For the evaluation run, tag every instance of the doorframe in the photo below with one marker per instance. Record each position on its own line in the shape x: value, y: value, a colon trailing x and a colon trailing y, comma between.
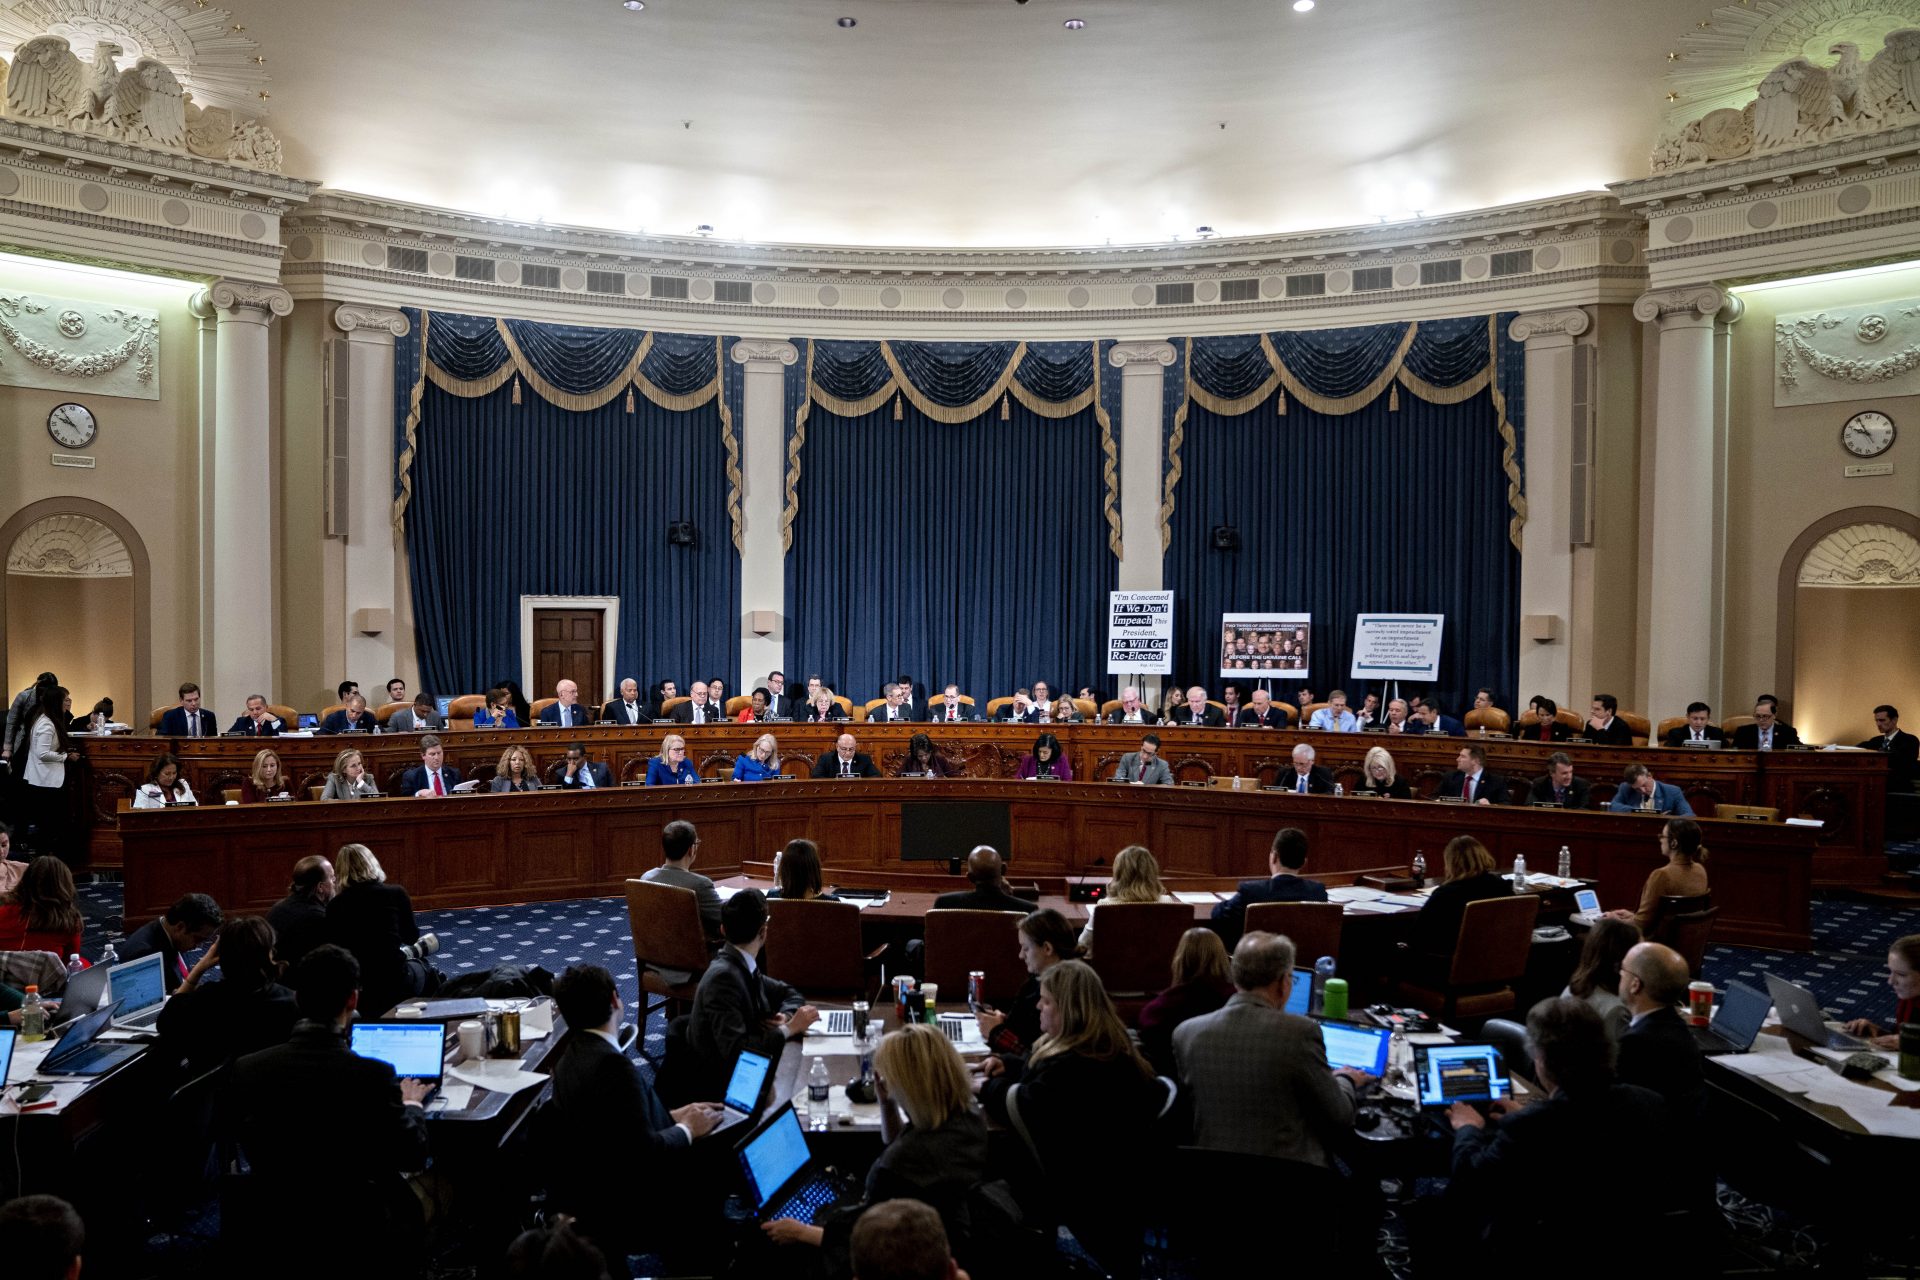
x: 609, y: 608
x: 34, y: 512
x: 1786, y: 614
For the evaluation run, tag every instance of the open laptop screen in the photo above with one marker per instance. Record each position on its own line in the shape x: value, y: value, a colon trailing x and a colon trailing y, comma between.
x: 1742, y: 1013
x: 1448, y: 1073
x: 774, y: 1156
x: 7, y: 1037
x: 138, y: 984
x: 415, y: 1051
x: 1302, y: 994
x: 749, y: 1073
x: 1362, y: 1048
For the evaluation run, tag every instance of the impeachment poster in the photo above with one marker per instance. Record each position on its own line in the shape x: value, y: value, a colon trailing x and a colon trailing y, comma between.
x: 1139, y: 633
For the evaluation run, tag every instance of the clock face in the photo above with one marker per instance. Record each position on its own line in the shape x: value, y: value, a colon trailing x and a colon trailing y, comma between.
x: 72, y: 426
x: 1867, y: 434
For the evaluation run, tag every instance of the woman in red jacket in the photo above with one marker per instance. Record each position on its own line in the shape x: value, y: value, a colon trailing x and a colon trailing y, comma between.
x: 1903, y: 975
x: 41, y: 914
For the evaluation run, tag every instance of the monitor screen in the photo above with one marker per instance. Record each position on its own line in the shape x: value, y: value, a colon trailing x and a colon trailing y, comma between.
x: 137, y: 984
x: 1300, y: 998
x: 943, y: 830
x: 7, y: 1037
x: 749, y: 1073
x: 415, y: 1050
x: 1448, y: 1073
x: 1362, y: 1048
x: 441, y: 703
x: 309, y: 720
x: 775, y: 1154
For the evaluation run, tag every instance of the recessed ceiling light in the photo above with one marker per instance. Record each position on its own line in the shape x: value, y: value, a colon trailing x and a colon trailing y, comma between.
x: 1301, y: 6
x: 633, y: 5
x: 1073, y: 24
x: 847, y: 22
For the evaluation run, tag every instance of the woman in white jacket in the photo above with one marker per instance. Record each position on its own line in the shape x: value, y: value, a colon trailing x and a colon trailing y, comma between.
x: 48, y: 753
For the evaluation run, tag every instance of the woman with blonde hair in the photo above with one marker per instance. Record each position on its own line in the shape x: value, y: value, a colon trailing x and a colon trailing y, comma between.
x: 1136, y: 878
x: 374, y: 920
x: 516, y: 771
x: 1470, y: 877
x: 761, y: 761
x: 348, y: 779
x: 267, y: 782
x: 671, y: 766
x: 1202, y: 981
x: 1378, y: 777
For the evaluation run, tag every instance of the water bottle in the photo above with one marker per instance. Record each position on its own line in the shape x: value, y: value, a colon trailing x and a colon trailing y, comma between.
x: 1322, y: 970
x: 1339, y: 790
x: 1519, y: 870
x: 1420, y: 865
x: 819, y: 1095
x: 75, y: 964
x: 109, y: 957
x: 1399, y: 1057
x: 33, y: 1017
x: 1566, y: 863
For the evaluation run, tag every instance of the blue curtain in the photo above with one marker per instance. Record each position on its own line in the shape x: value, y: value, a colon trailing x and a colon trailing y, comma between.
x: 530, y: 499
x: 975, y: 552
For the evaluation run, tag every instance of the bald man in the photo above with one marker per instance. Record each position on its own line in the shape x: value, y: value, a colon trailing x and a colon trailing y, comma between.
x: 1196, y: 711
x: 846, y: 760
x: 565, y: 711
x: 988, y: 872
x: 1657, y: 1050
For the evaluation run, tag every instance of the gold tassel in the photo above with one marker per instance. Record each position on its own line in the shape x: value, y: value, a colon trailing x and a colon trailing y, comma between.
x: 1006, y: 408
x: 1393, y: 399
x: 629, y: 398
x: 1280, y: 403
x: 898, y: 414
x: 516, y: 388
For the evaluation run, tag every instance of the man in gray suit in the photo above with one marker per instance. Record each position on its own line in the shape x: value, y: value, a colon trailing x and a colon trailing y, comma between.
x: 1258, y: 1075
x: 1145, y: 765
x: 679, y: 843
x: 421, y: 717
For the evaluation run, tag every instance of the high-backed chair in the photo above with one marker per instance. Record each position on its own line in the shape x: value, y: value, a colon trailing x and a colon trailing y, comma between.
x: 737, y: 703
x: 667, y: 933
x: 937, y: 705
x: 1086, y: 707
x: 1687, y: 932
x: 314, y: 793
x: 1666, y: 726
x: 538, y: 705
x: 1314, y: 927
x: 1133, y: 948
x: 153, y: 721
x: 845, y: 704
x: 1489, y: 960
x: 865, y: 710
x: 1731, y: 723
x: 960, y: 941
x: 996, y: 705
x: 330, y: 709
x: 1492, y: 719
x: 1639, y: 724
x: 1108, y: 707
x: 1307, y: 712
x: 463, y: 708
x: 666, y: 708
x: 385, y: 710
x: 281, y: 711
x: 815, y: 946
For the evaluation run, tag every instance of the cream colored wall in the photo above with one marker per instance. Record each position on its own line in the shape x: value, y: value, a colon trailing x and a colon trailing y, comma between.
x: 1854, y: 648
x: 43, y: 615
x: 147, y: 452
x: 1784, y: 472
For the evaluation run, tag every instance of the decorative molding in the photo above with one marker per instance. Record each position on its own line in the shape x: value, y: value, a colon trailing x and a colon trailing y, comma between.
x: 69, y: 546
x: 1689, y: 304
x: 762, y: 350
x: 63, y: 344
x: 1863, y: 555
x: 1879, y: 353
x: 1122, y: 354
x: 351, y: 316
x: 1568, y: 321
x: 248, y: 300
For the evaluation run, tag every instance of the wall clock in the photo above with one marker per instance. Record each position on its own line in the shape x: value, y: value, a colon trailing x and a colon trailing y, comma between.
x: 1867, y: 434
x: 72, y: 426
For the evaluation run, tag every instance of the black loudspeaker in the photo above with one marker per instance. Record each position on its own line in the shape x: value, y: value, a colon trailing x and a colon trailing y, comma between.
x: 1225, y: 538
x: 680, y: 533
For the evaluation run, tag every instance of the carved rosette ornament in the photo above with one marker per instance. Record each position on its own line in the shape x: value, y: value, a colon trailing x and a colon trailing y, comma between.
x: 352, y: 317
x: 755, y: 350
x: 1843, y: 353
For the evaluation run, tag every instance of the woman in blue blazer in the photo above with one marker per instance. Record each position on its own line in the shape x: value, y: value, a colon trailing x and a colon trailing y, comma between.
x: 761, y: 761
x: 671, y: 765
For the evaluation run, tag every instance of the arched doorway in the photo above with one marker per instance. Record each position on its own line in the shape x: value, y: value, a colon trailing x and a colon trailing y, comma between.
x: 1848, y: 637
x: 76, y: 600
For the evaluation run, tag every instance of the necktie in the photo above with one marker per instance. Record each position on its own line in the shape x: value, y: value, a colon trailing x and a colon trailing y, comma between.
x: 438, y: 788
x: 1560, y: 795
x: 1466, y: 788
x: 193, y: 724
x: 846, y: 768
x: 1766, y: 739
x: 1303, y: 784
x: 586, y: 776
x: 1696, y: 735
x: 952, y: 711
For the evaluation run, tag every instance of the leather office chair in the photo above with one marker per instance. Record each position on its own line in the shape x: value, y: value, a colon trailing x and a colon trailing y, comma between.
x: 937, y: 705
x: 996, y: 705
x: 845, y: 705
x: 1661, y: 730
x: 738, y: 703
x: 153, y: 721
x: 385, y: 710
x: 960, y: 941
x: 463, y: 708
x: 314, y: 793
x: 1732, y: 723
x: 667, y: 932
x: 1575, y: 722
x: 330, y: 709
x: 1085, y: 707
x: 283, y: 712
x: 1307, y: 712
x: 1133, y: 949
x: 1489, y: 960
x: 1492, y: 719
x: 815, y: 946
x: 538, y: 705
x: 1314, y: 927
x: 865, y: 709
x: 1639, y: 724
x: 666, y: 708
x: 1689, y: 933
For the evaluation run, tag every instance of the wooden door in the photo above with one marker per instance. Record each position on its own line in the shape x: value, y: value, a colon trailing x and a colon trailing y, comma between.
x: 566, y: 646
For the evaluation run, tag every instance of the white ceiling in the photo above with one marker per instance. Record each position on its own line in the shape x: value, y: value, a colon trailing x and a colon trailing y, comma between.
x: 966, y: 122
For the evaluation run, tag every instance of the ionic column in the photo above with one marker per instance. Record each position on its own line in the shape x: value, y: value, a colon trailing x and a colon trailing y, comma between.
x: 763, y: 578
x: 1546, y: 562
x: 1142, y: 367
x: 371, y: 556
x: 1689, y: 495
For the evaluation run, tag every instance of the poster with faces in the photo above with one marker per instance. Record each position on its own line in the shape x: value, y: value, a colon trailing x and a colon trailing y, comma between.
x: 1267, y: 645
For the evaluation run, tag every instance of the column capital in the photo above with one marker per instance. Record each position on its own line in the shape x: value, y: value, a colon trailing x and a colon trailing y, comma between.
x: 764, y: 351
x: 244, y: 300
x: 1124, y: 354
x: 1561, y: 322
x: 375, y: 322
x: 1693, y: 304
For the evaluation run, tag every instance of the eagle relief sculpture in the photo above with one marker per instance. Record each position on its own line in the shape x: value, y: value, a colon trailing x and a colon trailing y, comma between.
x: 1801, y: 104
x: 144, y: 105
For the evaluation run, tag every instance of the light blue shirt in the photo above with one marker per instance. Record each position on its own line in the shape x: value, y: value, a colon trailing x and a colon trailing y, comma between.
x: 1324, y: 719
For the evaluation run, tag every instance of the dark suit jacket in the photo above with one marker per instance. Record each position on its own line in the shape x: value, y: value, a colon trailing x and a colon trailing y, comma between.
x: 299, y: 925
x: 783, y: 706
x: 1747, y: 736
x: 1275, y: 718
x: 222, y: 1020
x: 265, y: 729
x: 374, y: 921
x: 1119, y: 716
x: 415, y: 779
x: 338, y: 723
x: 683, y: 714
x: 828, y: 765
x: 1903, y: 758
x: 1437, y: 930
x: 883, y: 714
x: 582, y: 714
x: 1556, y: 732
x: 1010, y: 714
x: 1618, y: 733
x: 366, y: 1133
x: 601, y: 776
x: 174, y: 723
x: 1210, y: 716
x: 963, y: 710
x: 1231, y: 915
x: 1448, y: 726
x: 1577, y: 792
x: 1398, y: 789
x: 1658, y: 1053
x: 1319, y: 781
x: 621, y: 1145
x: 1682, y: 734
x: 978, y: 899
x: 1492, y: 787
x: 615, y: 712
x: 730, y: 1011
x: 833, y: 713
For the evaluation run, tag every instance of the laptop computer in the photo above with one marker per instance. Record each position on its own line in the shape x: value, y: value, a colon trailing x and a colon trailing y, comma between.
x: 1742, y: 1012
x: 415, y: 1050
x: 85, y: 992
x: 749, y: 1081
x: 7, y: 1038
x: 1586, y: 907
x: 783, y: 1180
x: 1448, y: 1073
x: 1300, y: 998
x: 139, y: 987
x: 1801, y: 1014
x: 81, y: 1052
x: 833, y: 1022
x: 1362, y: 1048
x: 309, y: 720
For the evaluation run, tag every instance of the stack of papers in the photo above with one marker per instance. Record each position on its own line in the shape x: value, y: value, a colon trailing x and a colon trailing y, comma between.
x: 1197, y: 898
x: 1352, y: 893
x: 1373, y: 907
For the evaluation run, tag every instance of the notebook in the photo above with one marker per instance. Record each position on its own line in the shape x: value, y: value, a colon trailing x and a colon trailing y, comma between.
x: 415, y: 1050
x: 743, y: 1090
x: 85, y: 992
x: 1362, y: 1048
x: 782, y: 1178
x: 139, y: 987
x: 1448, y: 1073
x: 1742, y: 1012
x: 82, y: 1053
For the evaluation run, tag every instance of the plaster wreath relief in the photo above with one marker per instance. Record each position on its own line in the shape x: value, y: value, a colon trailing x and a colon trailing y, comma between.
x: 77, y: 346
x: 1827, y: 345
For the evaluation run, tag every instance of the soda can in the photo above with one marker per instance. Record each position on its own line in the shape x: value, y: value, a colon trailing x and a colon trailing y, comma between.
x: 976, y: 988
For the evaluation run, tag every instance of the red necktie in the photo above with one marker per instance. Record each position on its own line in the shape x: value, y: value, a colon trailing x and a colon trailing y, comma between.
x: 437, y: 788
x: 952, y: 711
x: 1466, y: 788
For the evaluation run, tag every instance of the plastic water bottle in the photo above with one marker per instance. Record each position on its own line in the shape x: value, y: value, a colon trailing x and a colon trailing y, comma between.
x: 109, y: 957
x: 819, y: 1095
x: 1566, y: 863
x: 1420, y: 865
x: 1399, y: 1058
x: 1519, y: 870
x: 33, y: 1017
x: 1322, y: 970
x: 75, y: 964
x: 1339, y: 790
